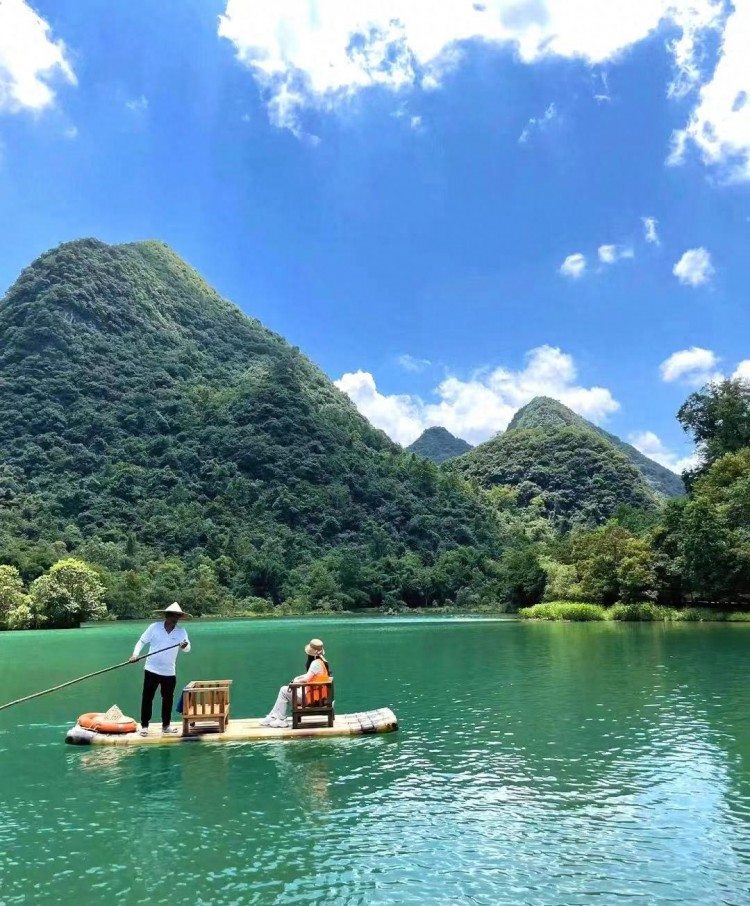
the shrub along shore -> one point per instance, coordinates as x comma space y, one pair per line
644, 612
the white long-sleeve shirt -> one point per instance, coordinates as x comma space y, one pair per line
156, 637
316, 668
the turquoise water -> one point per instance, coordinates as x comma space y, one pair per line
536, 763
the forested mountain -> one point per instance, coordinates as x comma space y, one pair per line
438, 445
543, 412
561, 468
151, 428
158, 444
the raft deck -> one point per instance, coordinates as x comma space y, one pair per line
246, 729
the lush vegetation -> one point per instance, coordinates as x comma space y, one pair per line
697, 548
569, 475
543, 412
438, 445
645, 611
151, 429
575, 611
67, 595
159, 445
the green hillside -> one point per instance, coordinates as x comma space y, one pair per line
543, 412
567, 473
438, 445
150, 427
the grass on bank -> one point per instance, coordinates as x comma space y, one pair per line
581, 611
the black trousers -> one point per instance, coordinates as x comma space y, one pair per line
151, 682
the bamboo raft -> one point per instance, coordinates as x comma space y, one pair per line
246, 729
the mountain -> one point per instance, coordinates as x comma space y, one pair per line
152, 428
438, 445
559, 465
543, 412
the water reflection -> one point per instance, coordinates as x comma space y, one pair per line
303, 774
535, 764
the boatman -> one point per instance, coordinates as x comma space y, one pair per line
161, 668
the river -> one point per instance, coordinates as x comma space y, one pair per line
535, 763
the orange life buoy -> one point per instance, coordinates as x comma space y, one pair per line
98, 722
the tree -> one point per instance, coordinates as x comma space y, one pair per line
503, 497
321, 588
612, 564
727, 485
413, 581
167, 581
69, 594
562, 581
264, 574
665, 544
453, 571
635, 572
523, 576
706, 559
203, 593
127, 594
12, 594
353, 576
26, 616
718, 417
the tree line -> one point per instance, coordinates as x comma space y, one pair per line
695, 549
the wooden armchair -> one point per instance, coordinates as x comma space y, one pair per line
312, 700
205, 702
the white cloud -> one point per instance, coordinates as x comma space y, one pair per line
137, 105
479, 407
609, 254
698, 21
319, 53
603, 96
742, 371
400, 416
719, 126
411, 363
649, 230
694, 268
30, 60
539, 123
677, 148
694, 366
651, 445
573, 266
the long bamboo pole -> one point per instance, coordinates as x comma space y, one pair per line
80, 679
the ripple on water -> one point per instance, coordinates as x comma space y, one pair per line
537, 765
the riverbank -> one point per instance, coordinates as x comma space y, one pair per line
328, 616
281, 612
567, 611
646, 612
290, 616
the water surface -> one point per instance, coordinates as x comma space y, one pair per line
536, 763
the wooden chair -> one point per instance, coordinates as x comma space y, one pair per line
205, 702
312, 700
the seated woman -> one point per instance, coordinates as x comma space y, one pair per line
318, 671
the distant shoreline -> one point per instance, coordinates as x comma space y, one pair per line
312, 615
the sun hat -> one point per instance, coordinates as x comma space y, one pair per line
314, 648
175, 610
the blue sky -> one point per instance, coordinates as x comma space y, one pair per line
442, 205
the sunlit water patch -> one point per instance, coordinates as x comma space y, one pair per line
534, 764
